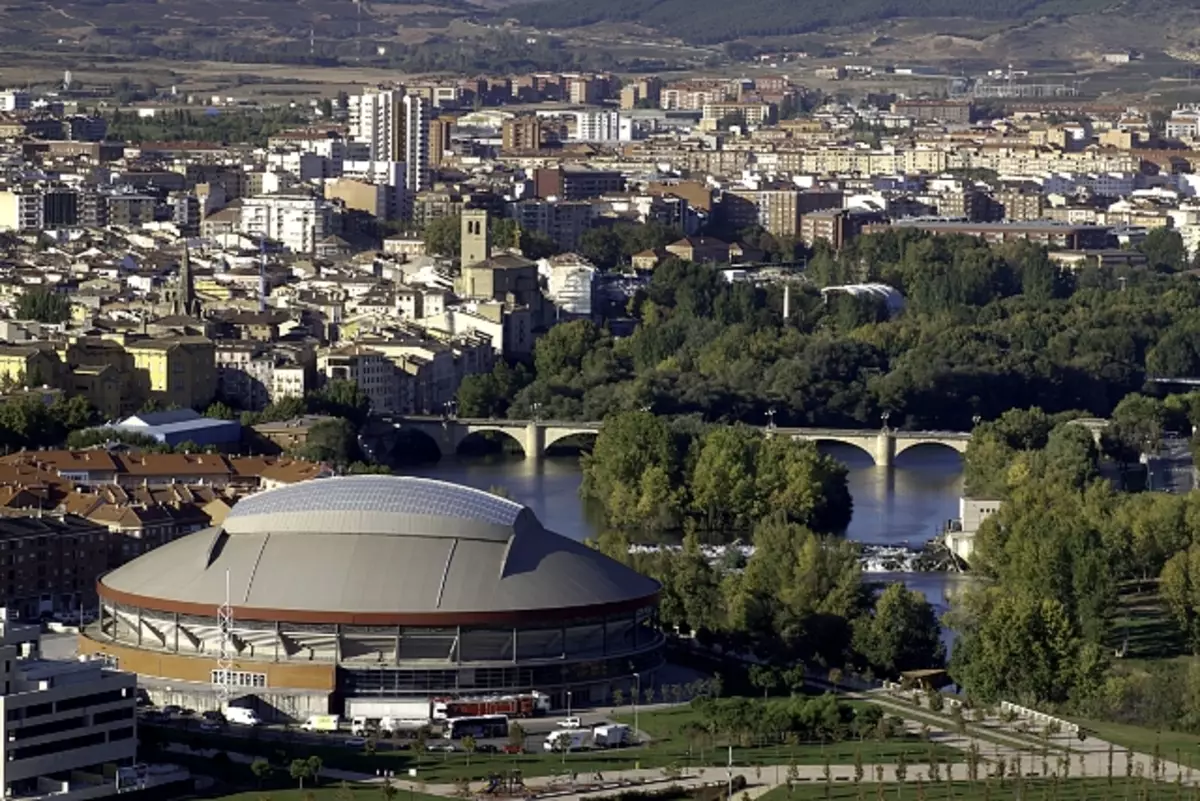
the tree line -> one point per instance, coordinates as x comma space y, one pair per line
984, 330
799, 598
1079, 574
648, 472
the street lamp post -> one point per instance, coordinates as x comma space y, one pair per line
771, 419
637, 677
885, 417
975, 420
537, 411
568, 703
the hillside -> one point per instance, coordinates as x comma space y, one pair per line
714, 21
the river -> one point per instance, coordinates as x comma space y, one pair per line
905, 505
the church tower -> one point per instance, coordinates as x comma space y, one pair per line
476, 237
183, 301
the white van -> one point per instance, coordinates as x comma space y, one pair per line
241, 715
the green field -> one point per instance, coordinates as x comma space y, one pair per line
668, 726
1029, 790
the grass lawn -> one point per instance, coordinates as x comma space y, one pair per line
1031, 790
666, 726
1143, 626
1172, 746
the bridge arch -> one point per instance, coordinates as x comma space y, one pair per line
475, 437
845, 443
554, 437
902, 445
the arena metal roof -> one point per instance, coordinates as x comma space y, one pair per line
379, 550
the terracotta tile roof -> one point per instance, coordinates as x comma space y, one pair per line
173, 464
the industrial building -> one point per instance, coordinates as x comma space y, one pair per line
377, 587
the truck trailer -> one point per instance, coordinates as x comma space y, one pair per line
525, 705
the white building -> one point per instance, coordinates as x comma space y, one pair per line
415, 154
298, 222
1108, 184
375, 122
599, 126
570, 283
70, 727
394, 127
1184, 122
304, 166
15, 100
960, 533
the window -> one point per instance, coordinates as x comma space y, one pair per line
240, 678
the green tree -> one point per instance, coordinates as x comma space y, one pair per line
469, 744
43, 305
339, 398
219, 411
902, 633
634, 470
516, 736
1180, 588
1164, 250
334, 441
443, 236
262, 770
300, 770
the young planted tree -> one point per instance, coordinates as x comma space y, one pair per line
469, 745
261, 769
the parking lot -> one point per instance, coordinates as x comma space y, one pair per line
536, 730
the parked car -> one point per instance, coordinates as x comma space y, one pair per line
514, 749
436, 746
212, 716
354, 742
209, 725
487, 748
570, 723
171, 710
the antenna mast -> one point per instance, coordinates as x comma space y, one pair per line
224, 675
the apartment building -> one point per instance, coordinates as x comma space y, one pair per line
179, 371
49, 562
296, 221
521, 133
70, 727
564, 222
576, 182
777, 210
370, 369
949, 111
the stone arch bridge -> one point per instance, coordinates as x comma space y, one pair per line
535, 436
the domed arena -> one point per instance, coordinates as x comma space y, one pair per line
370, 589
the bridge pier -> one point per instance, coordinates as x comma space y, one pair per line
534, 441
885, 449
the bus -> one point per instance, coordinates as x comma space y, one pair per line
482, 727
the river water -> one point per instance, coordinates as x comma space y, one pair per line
905, 505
